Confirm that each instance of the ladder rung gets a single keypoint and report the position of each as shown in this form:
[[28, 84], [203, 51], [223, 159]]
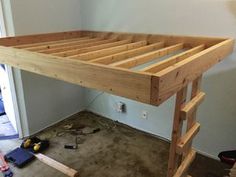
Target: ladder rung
[[192, 105], [185, 164], [187, 138]]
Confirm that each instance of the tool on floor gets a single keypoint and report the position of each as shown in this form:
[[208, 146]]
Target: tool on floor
[[35, 144], [19, 157], [4, 167], [30, 149], [72, 146]]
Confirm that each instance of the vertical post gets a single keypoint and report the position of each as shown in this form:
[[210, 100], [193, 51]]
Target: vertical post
[[180, 159], [192, 119], [176, 131]]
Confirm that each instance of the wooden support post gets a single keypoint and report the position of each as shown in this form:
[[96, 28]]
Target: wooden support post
[[192, 118], [176, 132], [183, 168], [180, 149]]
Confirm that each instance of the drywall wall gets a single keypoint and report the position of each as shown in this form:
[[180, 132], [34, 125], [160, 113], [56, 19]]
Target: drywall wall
[[197, 17], [46, 101]]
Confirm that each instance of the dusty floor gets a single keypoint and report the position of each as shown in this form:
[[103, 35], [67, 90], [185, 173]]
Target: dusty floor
[[114, 151]]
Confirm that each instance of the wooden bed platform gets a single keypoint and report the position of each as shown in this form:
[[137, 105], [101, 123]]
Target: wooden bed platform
[[148, 68]]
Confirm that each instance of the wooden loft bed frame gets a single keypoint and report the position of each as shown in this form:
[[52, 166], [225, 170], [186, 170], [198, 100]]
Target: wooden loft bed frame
[[111, 62]]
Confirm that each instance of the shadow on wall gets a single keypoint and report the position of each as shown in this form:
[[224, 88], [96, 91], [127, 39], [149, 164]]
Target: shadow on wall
[[232, 7]]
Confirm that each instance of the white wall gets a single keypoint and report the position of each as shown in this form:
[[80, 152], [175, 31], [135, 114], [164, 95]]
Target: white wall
[[46, 100], [196, 17]]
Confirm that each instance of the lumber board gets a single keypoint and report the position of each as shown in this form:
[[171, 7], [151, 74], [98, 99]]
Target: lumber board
[[154, 68], [127, 54], [141, 59], [191, 106], [57, 165], [75, 52], [187, 138], [108, 51], [39, 44], [119, 82], [185, 164], [176, 132], [36, 38], [78, 46], [196, 85], [63, 44], [179, 75]]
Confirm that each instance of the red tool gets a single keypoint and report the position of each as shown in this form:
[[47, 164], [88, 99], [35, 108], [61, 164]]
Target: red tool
[[4, 167], [3, 164]]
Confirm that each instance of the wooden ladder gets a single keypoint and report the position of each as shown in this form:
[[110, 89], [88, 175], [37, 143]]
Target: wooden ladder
[[181, 153]]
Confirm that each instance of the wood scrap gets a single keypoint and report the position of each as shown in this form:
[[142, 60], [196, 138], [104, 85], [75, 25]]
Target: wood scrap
[[57, 165]]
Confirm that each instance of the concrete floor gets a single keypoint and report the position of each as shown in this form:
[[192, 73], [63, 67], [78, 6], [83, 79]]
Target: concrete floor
[[115, 151]]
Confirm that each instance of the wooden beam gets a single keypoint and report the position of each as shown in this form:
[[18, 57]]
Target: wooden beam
[[175, 77], [172, 60], [121, 82], [48, 43], [108, 51], [176, 132], [191, 106], [79, 46], [196, 85], [127, 54], [76, 52], [141, 59], [57, 165], [187, 138], [36, 38], [42, 48], [182, 170]]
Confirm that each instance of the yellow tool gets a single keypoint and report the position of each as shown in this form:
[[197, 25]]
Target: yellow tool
[[37, 147], [27, 143]]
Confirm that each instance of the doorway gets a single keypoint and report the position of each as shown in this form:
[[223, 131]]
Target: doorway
[[8, 124], [8, 127]]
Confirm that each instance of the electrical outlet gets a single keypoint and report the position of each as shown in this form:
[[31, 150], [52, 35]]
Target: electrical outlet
[[144, 114], [120, 107]]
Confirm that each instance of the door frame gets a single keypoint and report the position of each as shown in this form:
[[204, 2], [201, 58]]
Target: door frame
[[10, 76]]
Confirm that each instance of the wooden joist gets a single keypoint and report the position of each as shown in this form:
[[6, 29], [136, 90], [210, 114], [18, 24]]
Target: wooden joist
[[172, 60], [75, 52], [191, 106], [183, 168], [22, 46], [187, 138], [127, 54], [63, 44], [108, 51], [141, 59], [78, 46]]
